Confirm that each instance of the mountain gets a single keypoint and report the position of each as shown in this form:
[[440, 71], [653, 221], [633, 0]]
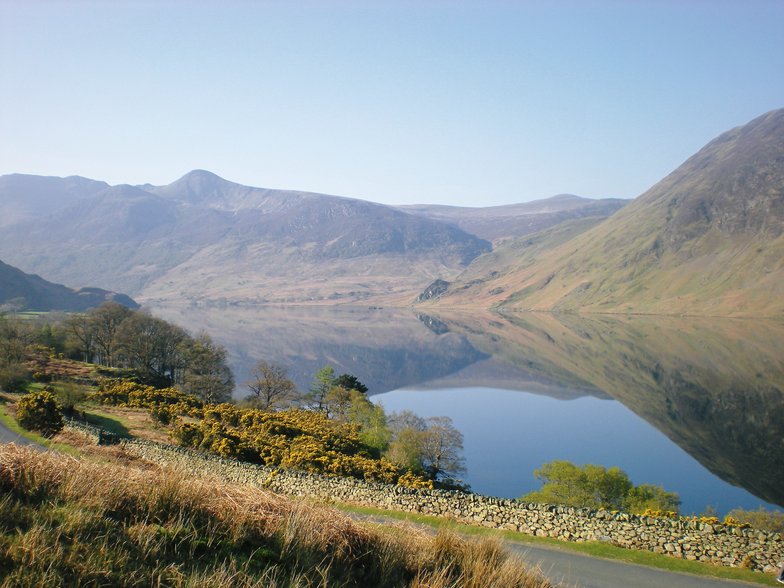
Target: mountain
[[26, 197], [707, 240], [496, 223], [22, 291], [205, 239]]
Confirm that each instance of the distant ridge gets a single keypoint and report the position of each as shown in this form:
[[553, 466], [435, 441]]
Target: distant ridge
[[24, 292], [496, 223]]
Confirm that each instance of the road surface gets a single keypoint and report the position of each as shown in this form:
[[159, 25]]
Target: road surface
[[568, 569], [8, 436]]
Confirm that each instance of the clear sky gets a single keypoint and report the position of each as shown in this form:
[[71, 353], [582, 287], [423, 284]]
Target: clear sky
[[462, 102]]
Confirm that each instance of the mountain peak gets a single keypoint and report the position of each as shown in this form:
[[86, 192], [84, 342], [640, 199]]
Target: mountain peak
[[198, 186], [201, 175]]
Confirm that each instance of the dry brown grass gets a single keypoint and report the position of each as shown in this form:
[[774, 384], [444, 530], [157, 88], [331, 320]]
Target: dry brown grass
[[68, 521]]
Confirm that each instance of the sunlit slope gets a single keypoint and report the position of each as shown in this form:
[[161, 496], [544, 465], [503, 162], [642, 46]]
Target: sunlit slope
[[707, 239]]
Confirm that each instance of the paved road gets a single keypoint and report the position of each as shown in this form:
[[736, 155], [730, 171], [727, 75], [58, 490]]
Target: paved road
[[8, 436], [569, 569]]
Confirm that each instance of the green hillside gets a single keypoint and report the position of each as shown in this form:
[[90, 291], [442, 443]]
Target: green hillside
[[706, 240]]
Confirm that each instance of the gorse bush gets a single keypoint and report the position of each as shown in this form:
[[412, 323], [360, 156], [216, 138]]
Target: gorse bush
[[300, 439], [39, 411], [120, 392], [771, 520], [67, 522]]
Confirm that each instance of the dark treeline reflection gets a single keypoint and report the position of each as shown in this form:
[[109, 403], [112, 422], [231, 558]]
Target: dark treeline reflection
[[715, 387]]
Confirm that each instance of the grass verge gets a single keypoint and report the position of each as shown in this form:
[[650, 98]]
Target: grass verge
[[589, 548], [69, 522]]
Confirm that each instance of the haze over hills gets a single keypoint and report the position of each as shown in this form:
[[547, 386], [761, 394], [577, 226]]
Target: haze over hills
[[204, 239], [26, 197], [20, 292], [496, 223], [708, 239]]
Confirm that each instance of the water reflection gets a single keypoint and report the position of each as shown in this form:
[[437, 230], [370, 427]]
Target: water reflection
[[713, 387]]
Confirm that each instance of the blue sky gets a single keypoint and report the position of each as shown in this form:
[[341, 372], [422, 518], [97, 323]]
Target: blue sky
[[454, 102]]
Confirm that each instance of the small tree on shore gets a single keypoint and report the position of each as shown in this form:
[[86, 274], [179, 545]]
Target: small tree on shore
[[594, 486]]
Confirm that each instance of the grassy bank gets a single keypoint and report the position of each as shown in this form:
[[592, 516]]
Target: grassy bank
[[67, 521]]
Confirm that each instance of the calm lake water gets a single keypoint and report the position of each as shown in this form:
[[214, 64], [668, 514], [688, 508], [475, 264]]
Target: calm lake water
[[694, 406]]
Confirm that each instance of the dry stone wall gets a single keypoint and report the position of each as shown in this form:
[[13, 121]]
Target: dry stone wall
[[682, 538]]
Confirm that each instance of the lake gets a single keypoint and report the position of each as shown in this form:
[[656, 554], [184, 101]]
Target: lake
[[692, 405]]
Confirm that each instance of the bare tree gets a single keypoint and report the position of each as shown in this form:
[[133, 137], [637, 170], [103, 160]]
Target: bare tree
[[106, 320], [442, 450], [206, 373], [270, 387], [81, 331], [152, 348]]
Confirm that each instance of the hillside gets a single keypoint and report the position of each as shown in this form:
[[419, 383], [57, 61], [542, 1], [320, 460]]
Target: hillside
[[705, 240], [20, 291], [73, 522], [497, 223]]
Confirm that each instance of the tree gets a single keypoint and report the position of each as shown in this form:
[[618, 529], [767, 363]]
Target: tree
[[594, 486], [337, 402], [372, 421], [38, 411], [13, 341], [270, 387], [350, 382], [649, 497], [206, 374], [82, 334], [152, 348], [430, 446], [405, 448], [105, 322], [442, 447], [323, 381]]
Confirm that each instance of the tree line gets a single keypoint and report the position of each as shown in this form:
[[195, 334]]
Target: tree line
[[432, 447], [151, 350]]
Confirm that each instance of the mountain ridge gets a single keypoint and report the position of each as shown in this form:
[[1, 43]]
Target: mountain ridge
[[203, 232]]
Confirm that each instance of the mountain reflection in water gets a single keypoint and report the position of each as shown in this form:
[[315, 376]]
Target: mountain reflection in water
[[714, 387]]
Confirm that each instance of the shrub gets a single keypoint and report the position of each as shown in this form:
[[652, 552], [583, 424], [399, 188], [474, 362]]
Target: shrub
[[770, 520], [13, 378], [39, 411]]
